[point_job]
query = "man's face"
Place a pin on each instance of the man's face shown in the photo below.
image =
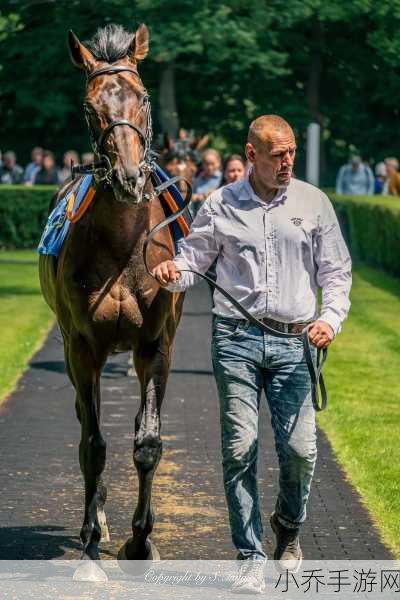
(273, 161)
(211, 165)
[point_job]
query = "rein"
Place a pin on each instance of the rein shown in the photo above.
(318, 388)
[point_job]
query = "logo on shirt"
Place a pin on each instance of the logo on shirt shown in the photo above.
(297, 221)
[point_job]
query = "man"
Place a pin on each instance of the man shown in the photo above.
(10, 172)
(355, 178)
(34, 166)
(276, 240)
(208, 180)
(392, 184)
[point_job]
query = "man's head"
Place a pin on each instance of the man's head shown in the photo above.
(10, 159)
(211, 162)
(37, 155)
(355, 162)
(271, 149)
(48, 160)
(392, 165)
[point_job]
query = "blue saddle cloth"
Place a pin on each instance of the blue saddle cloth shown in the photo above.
(57, 225)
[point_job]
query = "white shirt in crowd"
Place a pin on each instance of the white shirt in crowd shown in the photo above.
(272, 257)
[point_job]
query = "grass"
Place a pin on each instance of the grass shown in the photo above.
(363, 417)
(24, 317)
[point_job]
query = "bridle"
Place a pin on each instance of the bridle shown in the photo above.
(102, 169)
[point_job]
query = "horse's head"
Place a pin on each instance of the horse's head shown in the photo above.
(117, 105)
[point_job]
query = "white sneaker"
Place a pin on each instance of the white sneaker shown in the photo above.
(250, 578)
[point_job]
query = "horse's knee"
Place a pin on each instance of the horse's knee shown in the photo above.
(147, 453)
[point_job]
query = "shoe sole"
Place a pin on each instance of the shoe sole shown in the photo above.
(277, 564)
(249, 590)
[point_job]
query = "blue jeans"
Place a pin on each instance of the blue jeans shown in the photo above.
(247, 361)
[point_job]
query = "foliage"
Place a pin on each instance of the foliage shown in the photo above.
(371, 227)
(23, 213)
(24, 316)
(336, 62)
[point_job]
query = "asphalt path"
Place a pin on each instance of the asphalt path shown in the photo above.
(41, 486)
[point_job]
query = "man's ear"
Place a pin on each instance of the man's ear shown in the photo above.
(80, 55)
(250, 152)
(140, 44)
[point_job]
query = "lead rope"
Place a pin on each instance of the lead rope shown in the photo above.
(318, 388)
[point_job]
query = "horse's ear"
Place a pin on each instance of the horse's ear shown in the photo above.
(80, 55)
(140, 44)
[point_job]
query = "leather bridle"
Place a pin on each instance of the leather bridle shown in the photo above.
(102, 168)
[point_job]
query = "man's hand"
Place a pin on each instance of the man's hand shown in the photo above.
(166, 272)
(320, 334)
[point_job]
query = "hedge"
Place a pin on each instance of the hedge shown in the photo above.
(371, 227)
(370, 224)
(23, 214)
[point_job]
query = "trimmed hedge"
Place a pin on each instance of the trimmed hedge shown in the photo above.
(370, 224)
(371, 227)
(23, 214)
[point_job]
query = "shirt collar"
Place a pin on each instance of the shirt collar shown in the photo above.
(247, 193)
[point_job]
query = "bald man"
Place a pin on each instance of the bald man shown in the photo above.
(276, 240)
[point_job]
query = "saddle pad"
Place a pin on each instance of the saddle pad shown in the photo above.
(171, 201)
(57, 225)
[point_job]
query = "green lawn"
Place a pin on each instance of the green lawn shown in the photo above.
(363, 417)
(24, 316)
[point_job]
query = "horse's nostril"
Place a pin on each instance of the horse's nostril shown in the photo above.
(132, 174)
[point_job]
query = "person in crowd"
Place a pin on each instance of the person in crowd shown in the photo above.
(48, 173)
(272, 256)
(208, 180)
(172, 163)
(234, 169)
(1, 159)
(87, 158)
(10, 171)
(380, 178)
(393, 177)
(65, 172)
(355, 178)
(34, 166)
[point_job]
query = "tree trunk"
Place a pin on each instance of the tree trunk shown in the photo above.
(314, 84)
(168, 113)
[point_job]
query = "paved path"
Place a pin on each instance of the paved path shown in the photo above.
(41, 486)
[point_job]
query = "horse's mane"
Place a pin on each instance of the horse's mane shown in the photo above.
(110, 43)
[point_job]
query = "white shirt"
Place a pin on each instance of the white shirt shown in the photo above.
(272, 257)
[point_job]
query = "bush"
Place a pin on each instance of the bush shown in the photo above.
(371, 227)
(23, 214)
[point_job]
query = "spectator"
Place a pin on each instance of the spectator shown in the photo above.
(380, 178)
(1, 162)
(172, 163)
(234, 169)
(48, 173)
(65, 173)
(10, 171)
(355, 178)
(87, 158)
(393, 177)
(33, 167)
(208, 180)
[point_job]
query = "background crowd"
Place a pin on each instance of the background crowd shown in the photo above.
(354, 178)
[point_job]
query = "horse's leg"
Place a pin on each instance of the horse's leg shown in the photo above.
(152, 367)
(85, 371)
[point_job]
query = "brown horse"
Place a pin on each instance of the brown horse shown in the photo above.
(103, 298)
(182, 156)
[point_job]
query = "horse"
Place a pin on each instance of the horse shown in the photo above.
(104, 299)
(183, 155)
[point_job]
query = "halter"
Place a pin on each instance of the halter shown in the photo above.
(102, 169)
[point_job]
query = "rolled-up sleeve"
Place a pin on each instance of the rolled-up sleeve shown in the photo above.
(198, 250)
(333, 268)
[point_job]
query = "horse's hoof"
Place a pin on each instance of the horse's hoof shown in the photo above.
(89, 570)
(137, 567)
(101, 517)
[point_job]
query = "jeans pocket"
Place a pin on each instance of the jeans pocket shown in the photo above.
(224, 329)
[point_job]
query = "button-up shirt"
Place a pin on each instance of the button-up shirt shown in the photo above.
(272, 257)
